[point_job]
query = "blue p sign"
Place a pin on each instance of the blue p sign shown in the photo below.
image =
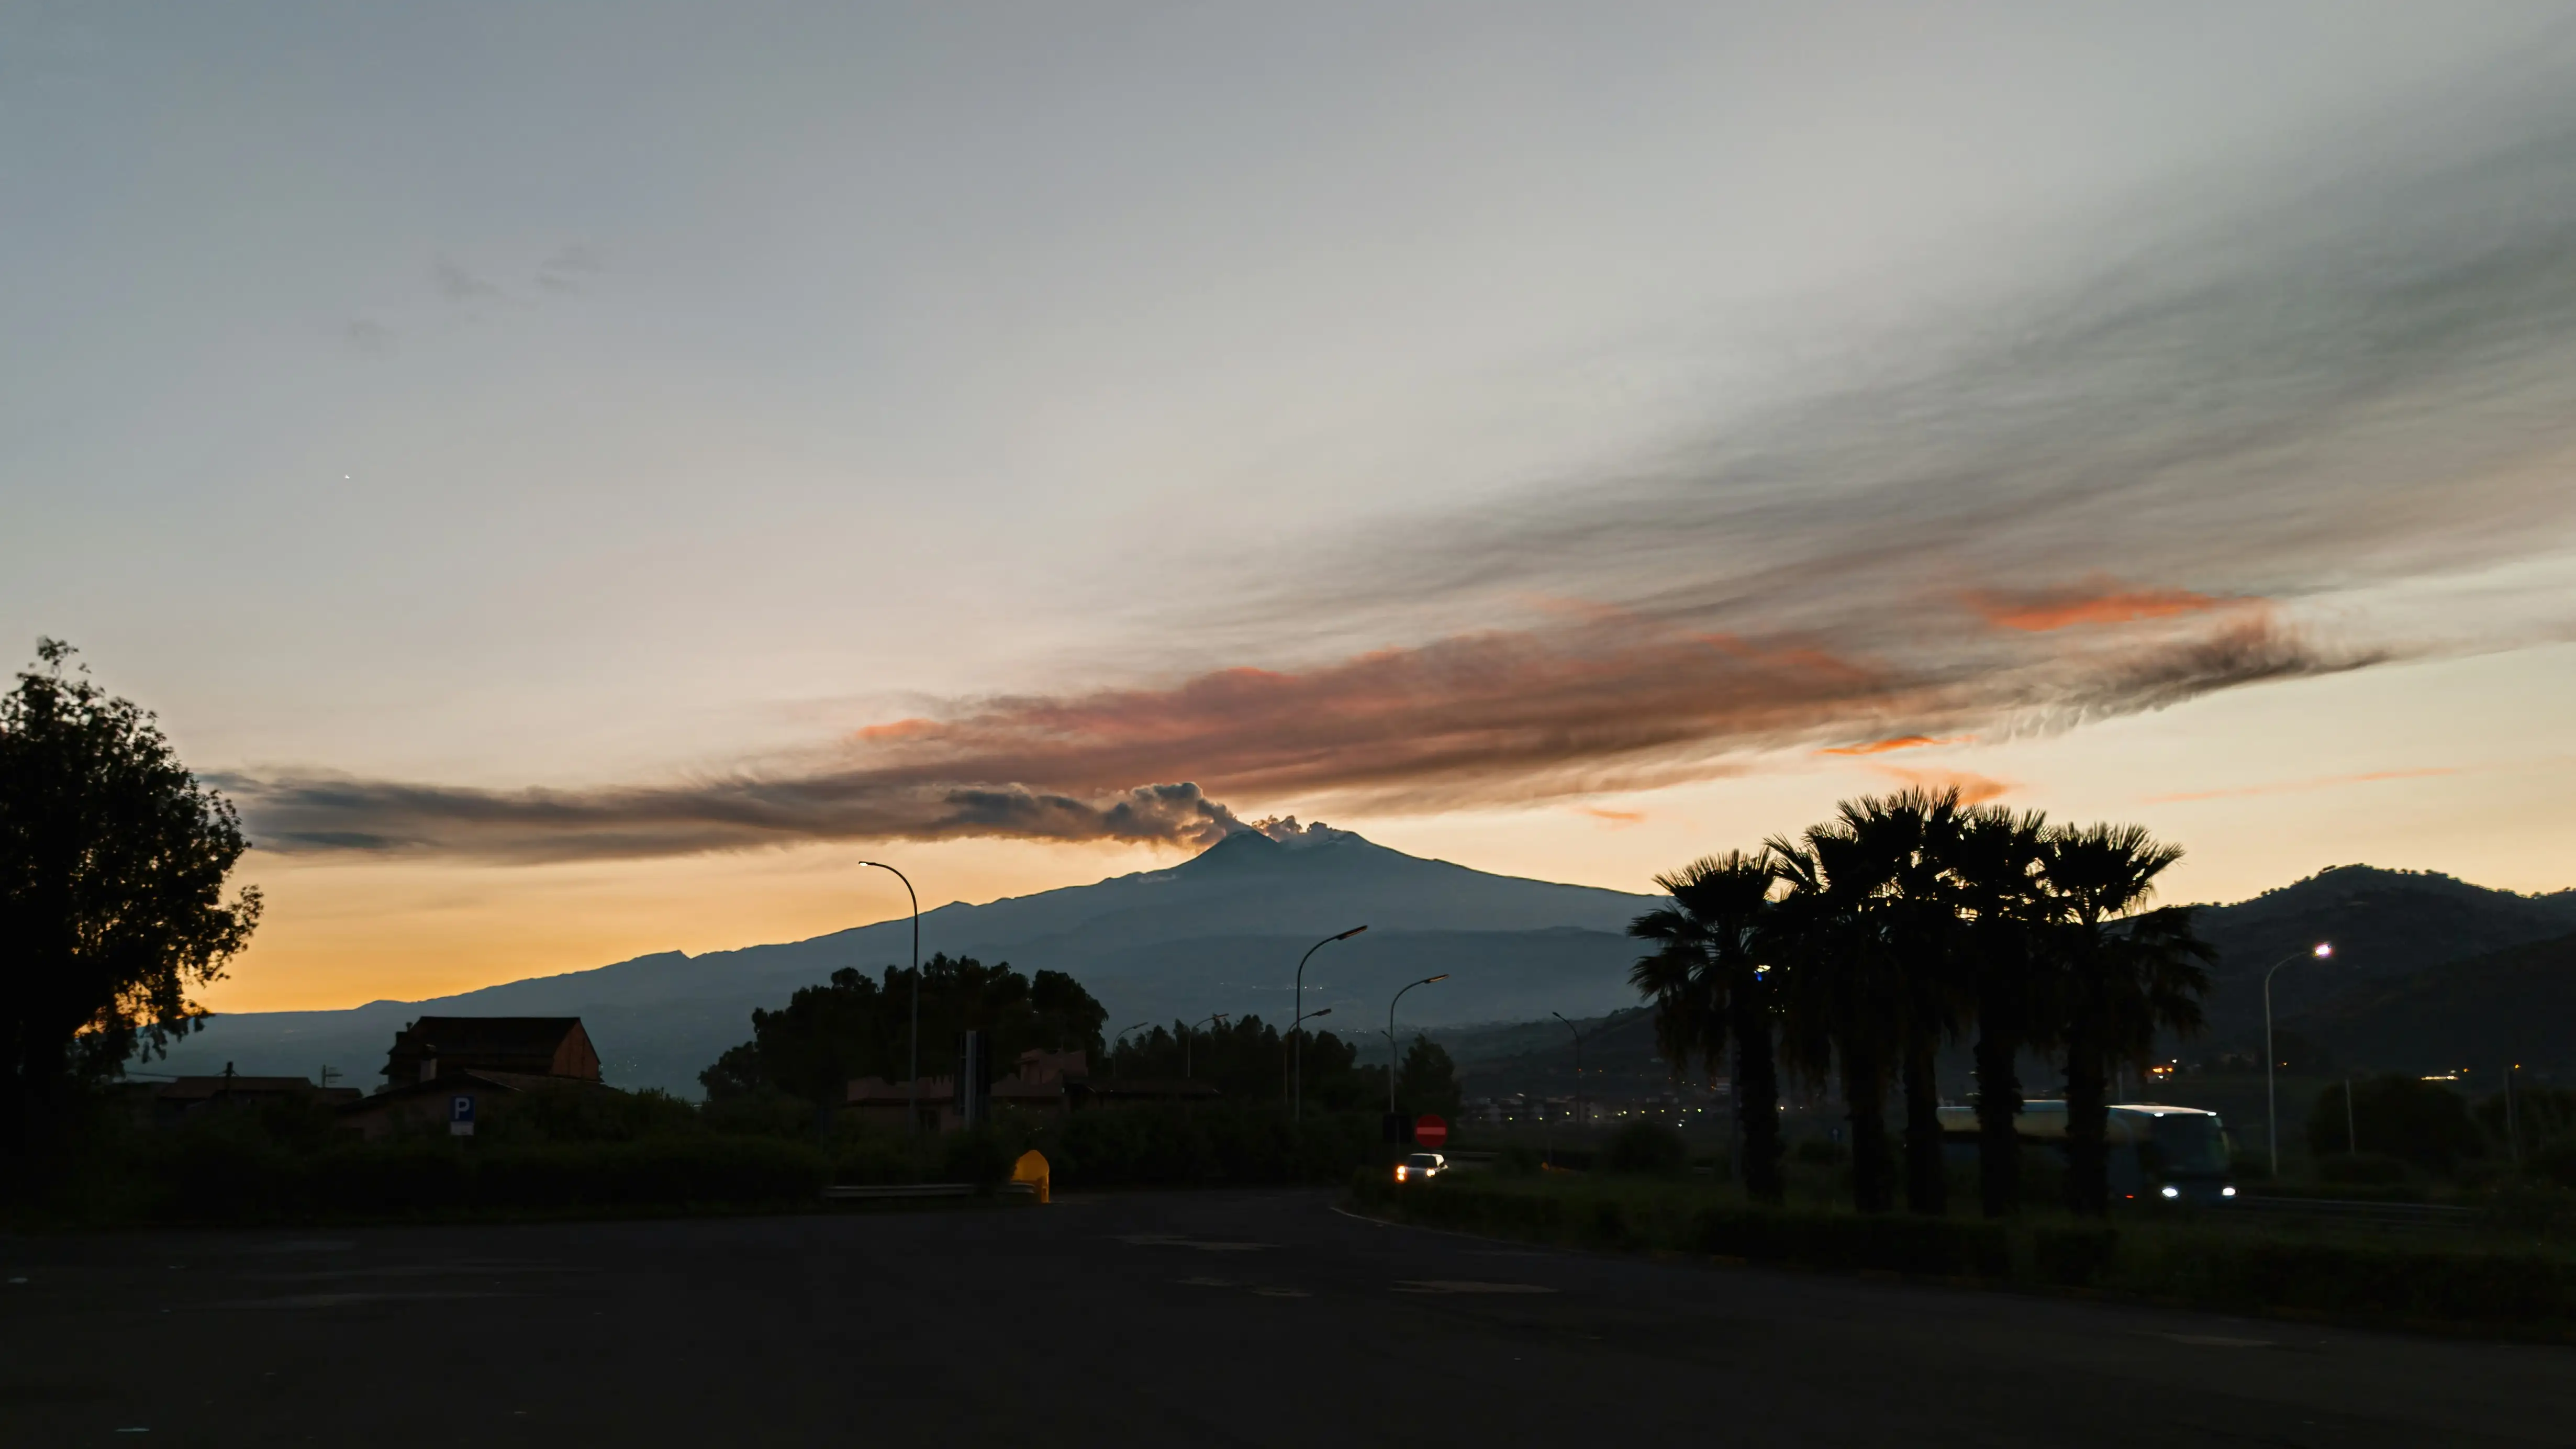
(460, 1116)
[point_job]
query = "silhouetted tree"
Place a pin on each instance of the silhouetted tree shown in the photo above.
(1995, 864)
(1712, 994)
(2120, 977)
(112, 868)
(854, 1026)
(1428, 1081)
(1841, 1004)
(1907, 841)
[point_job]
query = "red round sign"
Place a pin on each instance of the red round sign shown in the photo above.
(1430, 1131)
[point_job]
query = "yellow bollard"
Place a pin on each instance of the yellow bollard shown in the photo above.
(1032, 1169)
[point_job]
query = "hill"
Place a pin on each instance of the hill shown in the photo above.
(2482, 1013)
(2384, 924)
(1220, 932)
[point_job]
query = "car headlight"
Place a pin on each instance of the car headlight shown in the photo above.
(1399, 1174)
(2227, 1192)
(2171, 1191)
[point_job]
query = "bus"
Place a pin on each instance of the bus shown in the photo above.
(2179, 1154)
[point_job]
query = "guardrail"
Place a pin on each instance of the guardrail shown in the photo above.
(876, 1192)
(2363, 1211)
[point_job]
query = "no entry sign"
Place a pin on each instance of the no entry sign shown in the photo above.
(1430, 1131)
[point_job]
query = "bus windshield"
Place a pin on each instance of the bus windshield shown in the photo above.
(2189, 1143)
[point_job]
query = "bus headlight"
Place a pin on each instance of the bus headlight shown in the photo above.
(2172, 1191)
(2227, 1192)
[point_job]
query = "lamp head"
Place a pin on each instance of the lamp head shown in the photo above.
(1327, 1011)
(1353, 931)
(1443, 976)
(2324, 949)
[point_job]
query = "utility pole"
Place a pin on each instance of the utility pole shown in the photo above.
(1578, 1069)
(1297, 1056)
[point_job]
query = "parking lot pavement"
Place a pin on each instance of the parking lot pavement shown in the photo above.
(1142, 1319)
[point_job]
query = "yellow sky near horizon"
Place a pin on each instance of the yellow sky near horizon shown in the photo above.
(2368, 768)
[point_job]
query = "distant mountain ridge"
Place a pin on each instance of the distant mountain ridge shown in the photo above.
(1219, 932)
(2383, 924)
(1222, 932)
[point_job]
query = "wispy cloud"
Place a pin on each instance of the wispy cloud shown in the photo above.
(2111, 494)
(1900, 742)
(2317, 782)
(460, 286)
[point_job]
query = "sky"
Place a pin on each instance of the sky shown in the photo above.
(583, 477)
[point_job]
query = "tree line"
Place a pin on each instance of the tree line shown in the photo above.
(1855, 950)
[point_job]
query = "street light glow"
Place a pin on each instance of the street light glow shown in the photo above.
(2324, 949)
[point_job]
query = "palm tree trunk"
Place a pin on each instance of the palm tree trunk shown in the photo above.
(1998, 1107)
(1757, 1093)
(2088, 1168)
(1865, 1107)
(1927, 1183)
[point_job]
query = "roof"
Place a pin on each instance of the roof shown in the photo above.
(449, 1081)
(199, 1089)
(492, 1035)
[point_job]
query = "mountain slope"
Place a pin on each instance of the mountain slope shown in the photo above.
(2384, 924)
(2482, 1013)
(1220, 932)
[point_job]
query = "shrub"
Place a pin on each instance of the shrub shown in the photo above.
(1646, 1147)
(2422, 1123)
(2361, 1169)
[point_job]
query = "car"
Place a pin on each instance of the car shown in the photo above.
(1421, 1167)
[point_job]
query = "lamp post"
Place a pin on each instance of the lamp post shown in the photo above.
(2271, 1096)
(1297, 1055)
(1578, 1069)
(1191, 1036)
(1113, 1045)
(912, 1074)
(1390, 1038)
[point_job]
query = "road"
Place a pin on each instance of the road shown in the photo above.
(1151, 1319)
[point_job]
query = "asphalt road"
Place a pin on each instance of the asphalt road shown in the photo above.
(1151, 1319)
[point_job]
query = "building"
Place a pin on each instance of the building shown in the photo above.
(457, 1070)
(188, 1096)
(527, 1046)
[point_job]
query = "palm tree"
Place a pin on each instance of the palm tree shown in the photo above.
(1712, 997)
(1835, 1014)
(1909, 839)
(1994, 870)
(2121, 976)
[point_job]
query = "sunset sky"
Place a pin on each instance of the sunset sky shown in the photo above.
(583, 476)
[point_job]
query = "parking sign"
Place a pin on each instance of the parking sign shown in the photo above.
(460, 1116)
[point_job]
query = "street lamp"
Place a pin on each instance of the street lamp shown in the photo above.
(1578, 1069)
(2271, 1097)
(1188, 1038)
(1390, 1038)
(1113, 1045)
(912, 1074)
(1297, 1055)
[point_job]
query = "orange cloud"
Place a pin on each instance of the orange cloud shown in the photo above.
(2099, 599)
(1475, 719)
(2283, 787)
(1615, 817)
(1901, 742)
(1973, 789)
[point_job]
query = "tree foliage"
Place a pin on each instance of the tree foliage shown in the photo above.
(113, 860)
(1859, 947)
(856, 1026)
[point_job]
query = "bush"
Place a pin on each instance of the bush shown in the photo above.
(2361, 1169)
(1817, 1152)
(2421, 1123)
(1647, 1147)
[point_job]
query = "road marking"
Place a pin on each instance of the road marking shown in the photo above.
(1171, 1240)
(2213, 1340)
(1282, 1293)
(1460, 1285)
